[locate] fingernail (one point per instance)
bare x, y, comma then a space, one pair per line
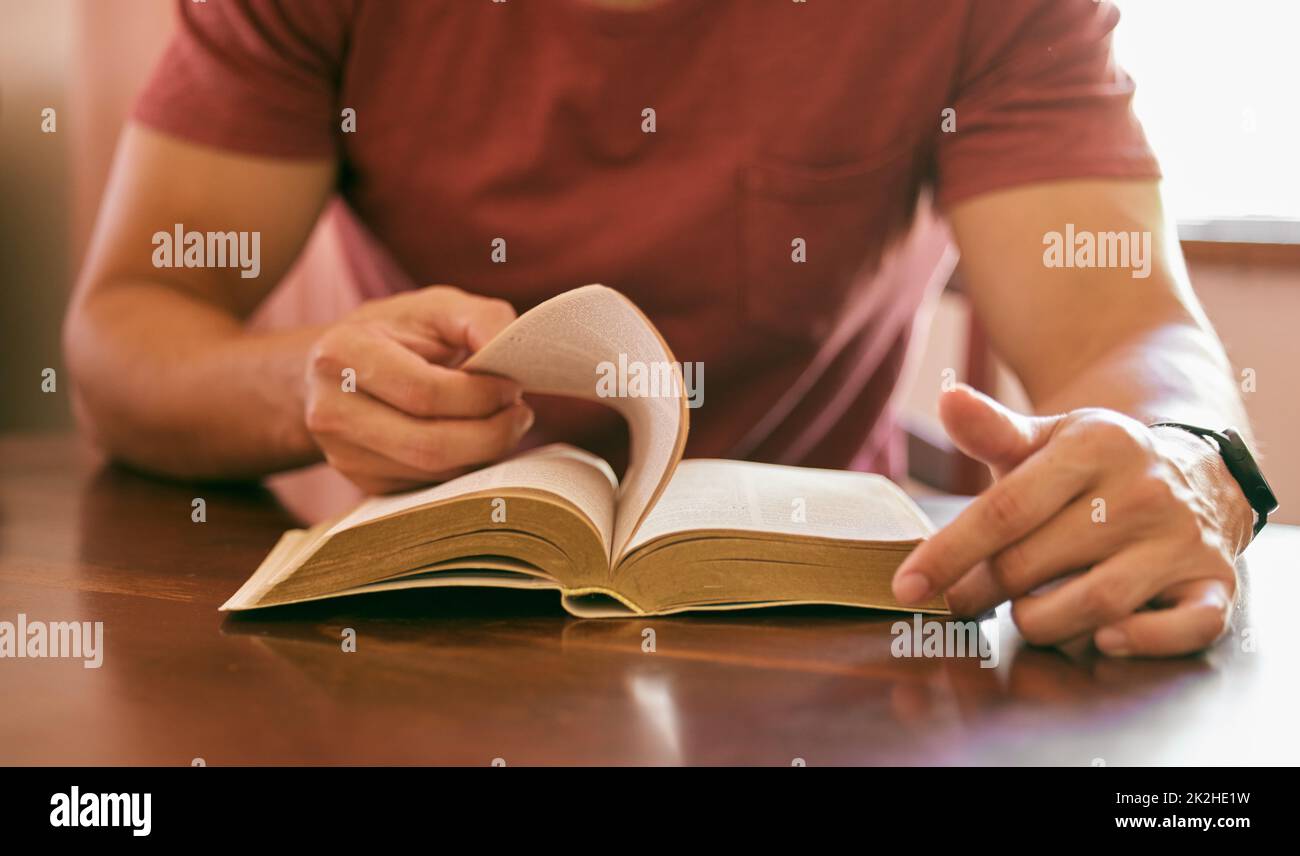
911, 588
1111, 641
523, 420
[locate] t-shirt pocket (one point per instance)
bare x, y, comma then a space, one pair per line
807, 234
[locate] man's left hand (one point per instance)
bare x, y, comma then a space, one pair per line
1096, 525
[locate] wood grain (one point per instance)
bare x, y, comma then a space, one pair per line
446, 677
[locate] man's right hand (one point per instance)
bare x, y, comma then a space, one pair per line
169, 379
403, 416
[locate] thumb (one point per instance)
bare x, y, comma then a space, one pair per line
450, 323
990, 432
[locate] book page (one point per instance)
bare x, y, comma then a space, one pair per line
570, 473
748, 496
566, 346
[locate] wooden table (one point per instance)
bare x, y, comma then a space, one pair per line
443, 677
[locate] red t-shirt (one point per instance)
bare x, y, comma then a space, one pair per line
774, 121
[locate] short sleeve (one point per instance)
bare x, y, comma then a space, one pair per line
1040, 98
254, 76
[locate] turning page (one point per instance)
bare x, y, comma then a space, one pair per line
563, 346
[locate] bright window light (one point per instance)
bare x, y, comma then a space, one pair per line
1217, 93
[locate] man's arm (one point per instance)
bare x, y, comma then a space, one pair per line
168, 379
1103, 352
159, 355
1094, 337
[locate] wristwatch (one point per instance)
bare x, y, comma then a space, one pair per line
1241, 463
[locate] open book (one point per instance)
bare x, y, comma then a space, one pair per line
674, 535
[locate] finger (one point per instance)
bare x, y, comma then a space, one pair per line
398, 376
1197, 613
1014, 506
990, 432
429, 445
378, 473
1103, 595
976, 593
452, 317
1069, 541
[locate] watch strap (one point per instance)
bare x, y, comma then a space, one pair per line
1241, 465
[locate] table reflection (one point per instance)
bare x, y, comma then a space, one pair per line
465, 676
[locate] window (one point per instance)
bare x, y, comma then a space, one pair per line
1217, 91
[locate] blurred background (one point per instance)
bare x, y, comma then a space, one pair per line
1216, 93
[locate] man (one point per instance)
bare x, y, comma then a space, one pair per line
745, 172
